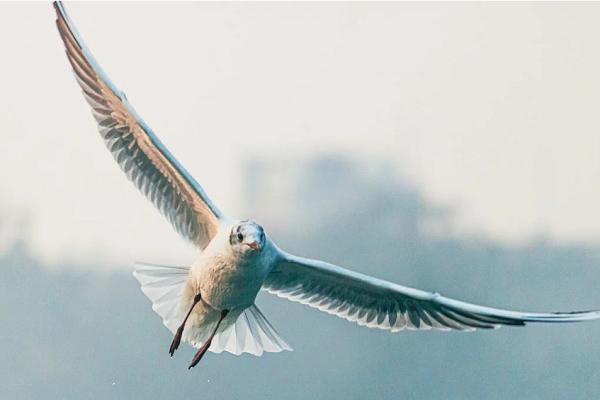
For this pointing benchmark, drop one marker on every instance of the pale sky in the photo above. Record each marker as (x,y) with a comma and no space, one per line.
(489,108)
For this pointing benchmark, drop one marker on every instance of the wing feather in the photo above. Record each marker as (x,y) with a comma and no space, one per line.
(137,150)
(380,304)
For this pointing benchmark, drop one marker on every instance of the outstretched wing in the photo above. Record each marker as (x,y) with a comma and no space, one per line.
(137,150)
(380,304)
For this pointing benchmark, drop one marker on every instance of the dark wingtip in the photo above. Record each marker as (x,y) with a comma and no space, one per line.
(61,12)
(58,7)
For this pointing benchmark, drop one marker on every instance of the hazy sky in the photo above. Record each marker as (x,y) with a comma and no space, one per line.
(490,108)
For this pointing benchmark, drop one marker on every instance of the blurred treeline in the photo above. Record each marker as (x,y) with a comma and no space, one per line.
(91,334)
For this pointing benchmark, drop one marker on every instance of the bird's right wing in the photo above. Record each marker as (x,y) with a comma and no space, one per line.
(380,304)
(137,150)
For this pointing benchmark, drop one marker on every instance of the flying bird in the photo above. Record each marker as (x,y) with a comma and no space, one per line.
(211,304)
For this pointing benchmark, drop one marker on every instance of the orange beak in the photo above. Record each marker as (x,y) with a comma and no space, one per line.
(254,246)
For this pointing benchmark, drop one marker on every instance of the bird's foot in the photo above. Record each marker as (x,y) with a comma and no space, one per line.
(198,356)
(176,340)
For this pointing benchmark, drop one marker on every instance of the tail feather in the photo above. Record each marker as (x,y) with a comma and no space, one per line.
(250,333)
(163,285)
(267,334)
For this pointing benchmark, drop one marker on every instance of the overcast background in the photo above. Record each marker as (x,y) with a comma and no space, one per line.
(463,136)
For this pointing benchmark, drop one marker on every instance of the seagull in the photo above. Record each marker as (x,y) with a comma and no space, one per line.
(211,303)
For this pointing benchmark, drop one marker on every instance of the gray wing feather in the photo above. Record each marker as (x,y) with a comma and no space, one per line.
(380,304)
(137,150)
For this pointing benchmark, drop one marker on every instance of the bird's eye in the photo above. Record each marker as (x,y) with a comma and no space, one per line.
(240,237)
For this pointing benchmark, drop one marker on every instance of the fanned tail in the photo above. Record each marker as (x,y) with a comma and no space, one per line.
(163,285)
(250,333)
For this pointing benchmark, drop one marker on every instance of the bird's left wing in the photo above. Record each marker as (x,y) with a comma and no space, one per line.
(137,150)
(380,304)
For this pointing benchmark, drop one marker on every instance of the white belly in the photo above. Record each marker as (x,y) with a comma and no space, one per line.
(226,286)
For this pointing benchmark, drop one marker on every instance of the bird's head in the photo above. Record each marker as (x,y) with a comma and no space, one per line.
(247,236)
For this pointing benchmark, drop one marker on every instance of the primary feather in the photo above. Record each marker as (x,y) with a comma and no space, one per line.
(137,150)
(380,304)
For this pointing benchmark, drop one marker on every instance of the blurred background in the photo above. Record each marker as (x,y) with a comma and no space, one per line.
(449,147)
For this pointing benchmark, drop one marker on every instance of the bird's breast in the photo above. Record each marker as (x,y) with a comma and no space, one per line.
(226,284)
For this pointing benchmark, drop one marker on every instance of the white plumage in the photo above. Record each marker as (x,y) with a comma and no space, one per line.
(251,332)
(237,259)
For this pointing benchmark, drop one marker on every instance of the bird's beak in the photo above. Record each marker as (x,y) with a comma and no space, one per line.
(254,245)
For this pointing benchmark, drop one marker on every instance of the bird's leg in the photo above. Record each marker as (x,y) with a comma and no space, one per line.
(198,356)
(179,333)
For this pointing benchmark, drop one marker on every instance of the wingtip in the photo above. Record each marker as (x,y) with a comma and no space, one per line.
(62,19)
(59,8)
(61,13)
